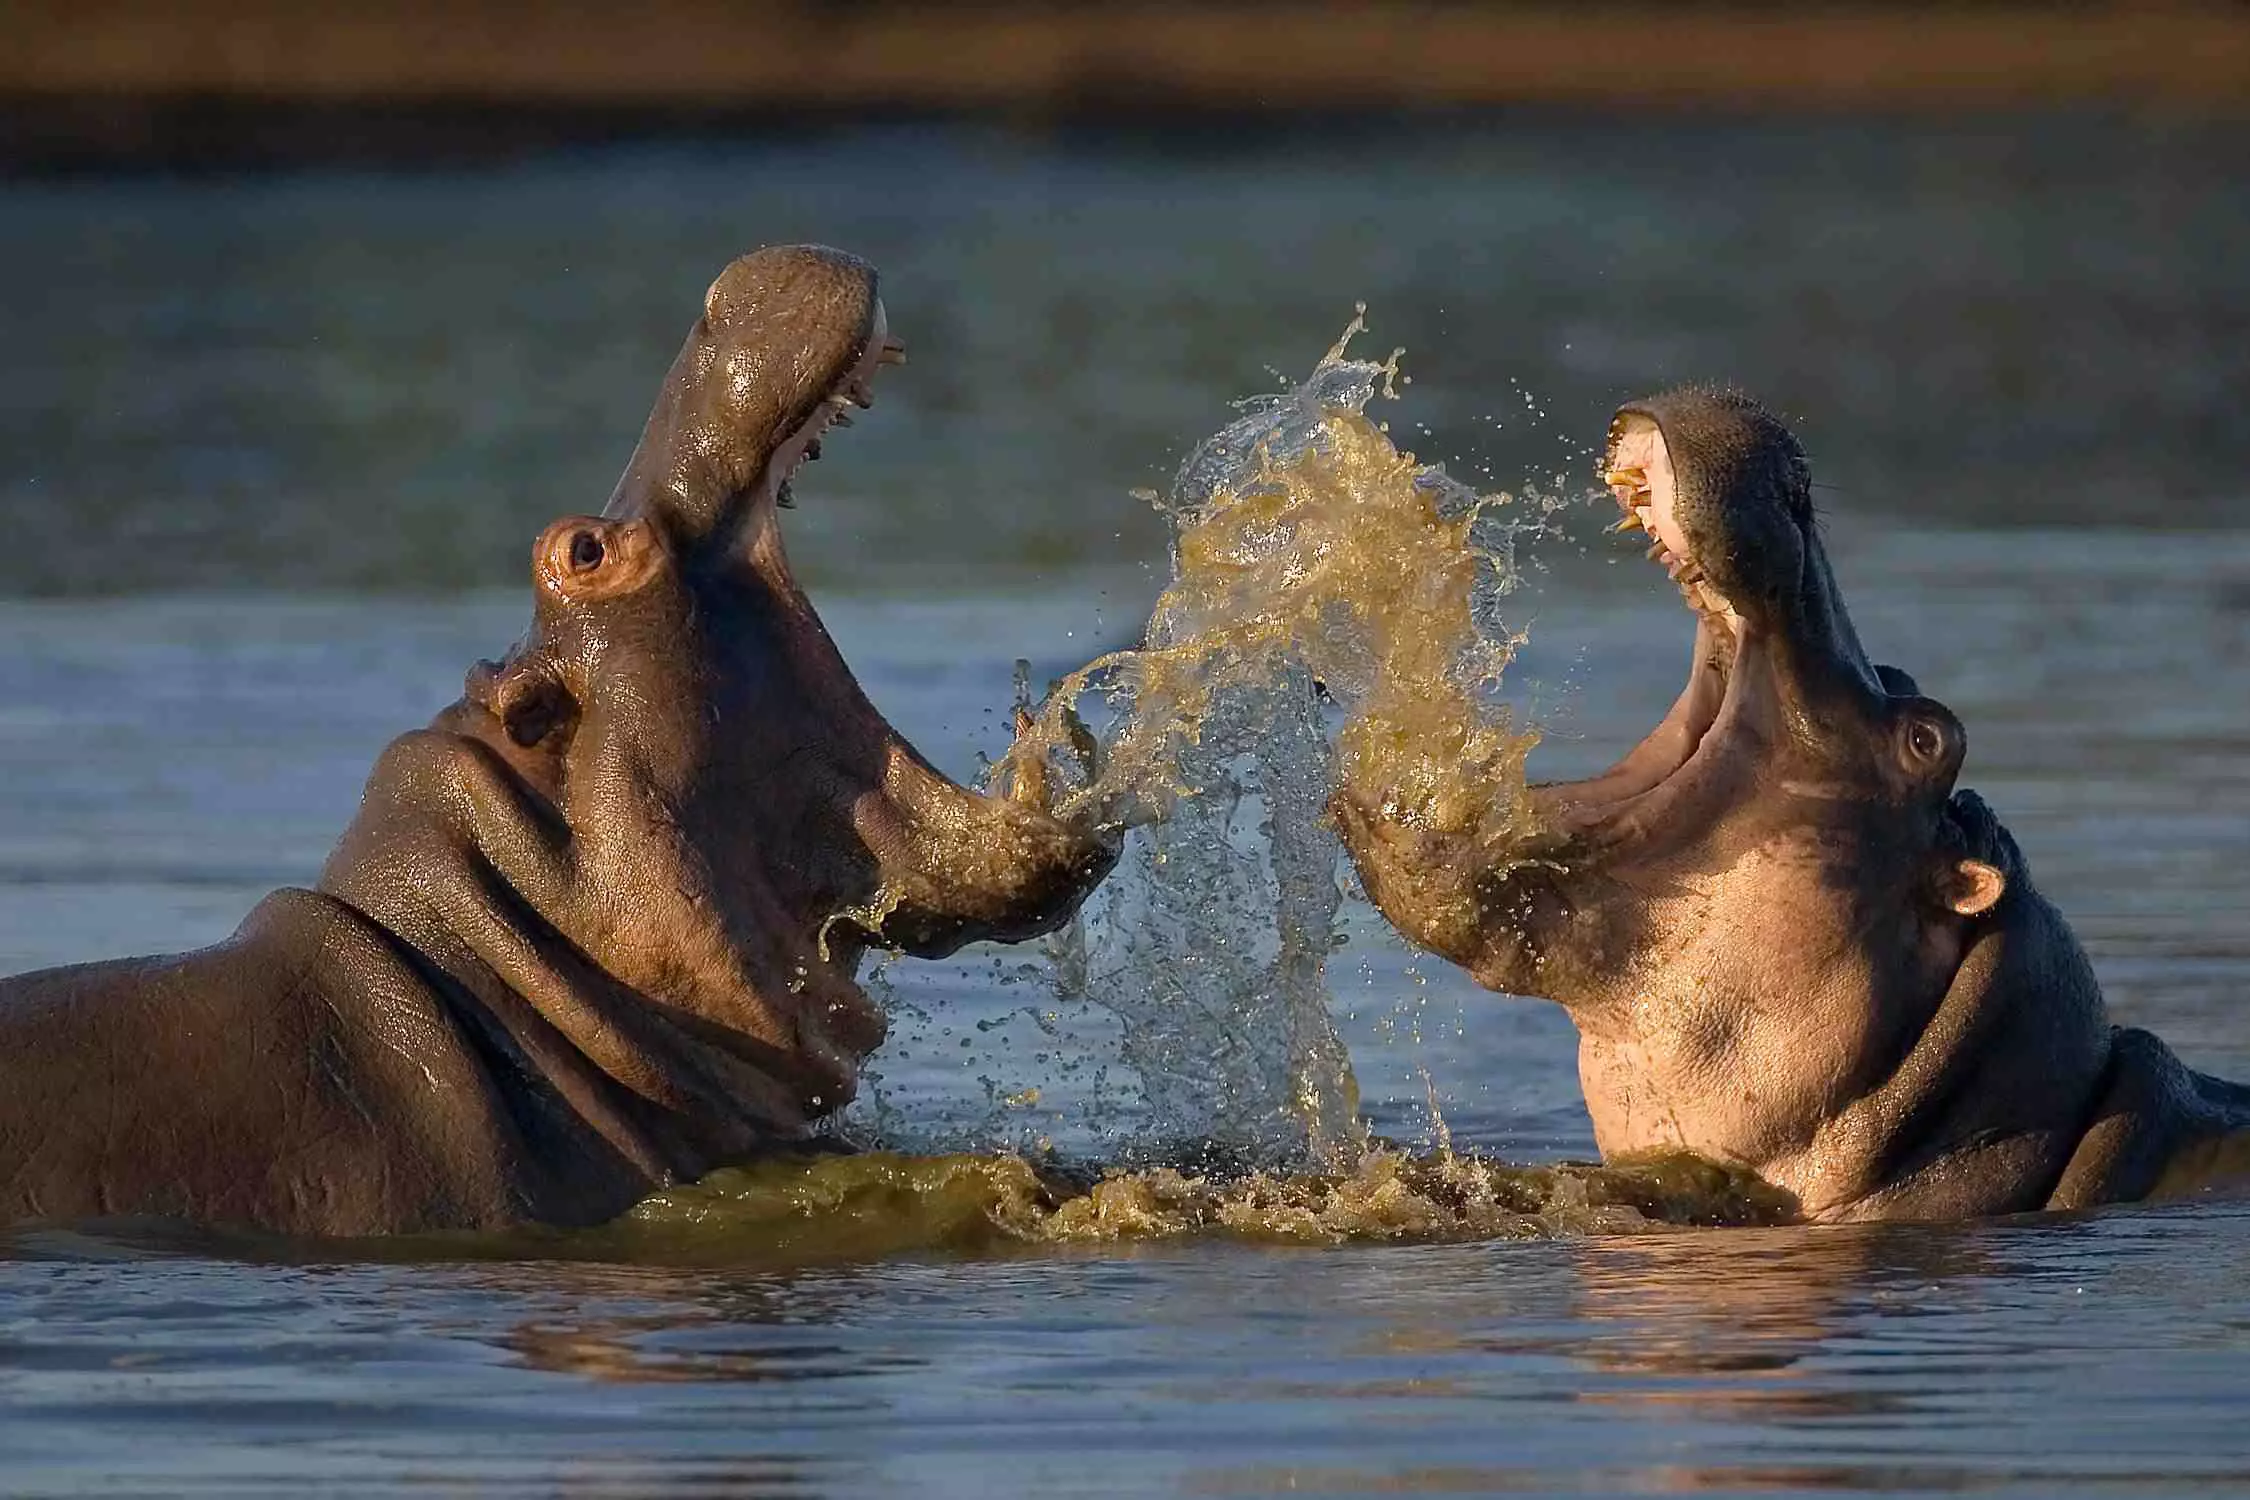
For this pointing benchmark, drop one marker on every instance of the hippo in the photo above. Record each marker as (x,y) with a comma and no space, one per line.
(593,931)
(1788,943)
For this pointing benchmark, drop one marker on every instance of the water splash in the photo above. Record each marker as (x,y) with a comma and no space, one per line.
(1318,573)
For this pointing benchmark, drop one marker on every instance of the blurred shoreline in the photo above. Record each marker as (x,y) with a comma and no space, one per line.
(125,84)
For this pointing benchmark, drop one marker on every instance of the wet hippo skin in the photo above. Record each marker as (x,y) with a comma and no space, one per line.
(1787,941)
(594,930)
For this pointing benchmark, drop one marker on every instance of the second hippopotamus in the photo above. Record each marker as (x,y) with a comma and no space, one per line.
(1788,942)
(594,930)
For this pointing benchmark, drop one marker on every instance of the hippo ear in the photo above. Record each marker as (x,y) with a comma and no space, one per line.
(1973,887)
(528,698)
(1898,682)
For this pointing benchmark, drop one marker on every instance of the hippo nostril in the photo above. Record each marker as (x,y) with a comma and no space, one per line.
(586,552)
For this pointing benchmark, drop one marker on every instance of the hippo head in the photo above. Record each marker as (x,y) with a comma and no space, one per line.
(1785,729)
(1785,733)
(651,843)
(1760,917)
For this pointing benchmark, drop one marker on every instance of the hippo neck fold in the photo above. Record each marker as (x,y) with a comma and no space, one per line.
(632,1006)
(1984,1107)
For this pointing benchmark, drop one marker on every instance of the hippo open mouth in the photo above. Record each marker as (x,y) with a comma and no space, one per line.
(1784,724)
(1701,475)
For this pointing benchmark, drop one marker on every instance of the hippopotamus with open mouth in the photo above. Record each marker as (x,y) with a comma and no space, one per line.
(594,930)
(1787,941)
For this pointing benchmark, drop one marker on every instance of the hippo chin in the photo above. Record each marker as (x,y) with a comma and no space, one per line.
(583,938)
(1787,942)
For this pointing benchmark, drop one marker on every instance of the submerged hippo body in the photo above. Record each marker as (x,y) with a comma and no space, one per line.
(1787,942)
(583,938)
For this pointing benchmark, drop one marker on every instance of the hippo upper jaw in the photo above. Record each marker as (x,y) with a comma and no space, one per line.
(801,444)
(789,338)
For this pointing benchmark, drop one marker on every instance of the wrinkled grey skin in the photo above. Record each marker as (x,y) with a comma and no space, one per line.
(1787,942)
(580,941)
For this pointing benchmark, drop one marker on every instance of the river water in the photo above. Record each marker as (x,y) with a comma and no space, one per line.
(273,451)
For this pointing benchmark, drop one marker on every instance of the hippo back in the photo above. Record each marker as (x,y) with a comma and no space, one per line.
(305,1075)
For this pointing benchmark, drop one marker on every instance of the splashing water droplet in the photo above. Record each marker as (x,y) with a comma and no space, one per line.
(1318,572)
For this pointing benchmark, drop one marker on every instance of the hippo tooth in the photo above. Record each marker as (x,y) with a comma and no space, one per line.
(893,353)
(1655,552)
(1632,522)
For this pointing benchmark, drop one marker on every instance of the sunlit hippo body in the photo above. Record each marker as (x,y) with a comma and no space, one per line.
(582,939)
(1787,942)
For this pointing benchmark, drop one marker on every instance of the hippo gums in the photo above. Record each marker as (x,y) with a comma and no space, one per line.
(1786,940)
(594,930)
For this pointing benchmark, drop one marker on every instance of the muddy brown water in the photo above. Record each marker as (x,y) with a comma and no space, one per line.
(235,400)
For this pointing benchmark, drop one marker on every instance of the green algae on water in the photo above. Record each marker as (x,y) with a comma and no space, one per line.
(815,1210)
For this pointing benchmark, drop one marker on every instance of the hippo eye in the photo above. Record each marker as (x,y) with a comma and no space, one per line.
(585,552)
(1925,740)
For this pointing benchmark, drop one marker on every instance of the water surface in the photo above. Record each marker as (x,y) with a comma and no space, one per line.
(164,762)
(224,406)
